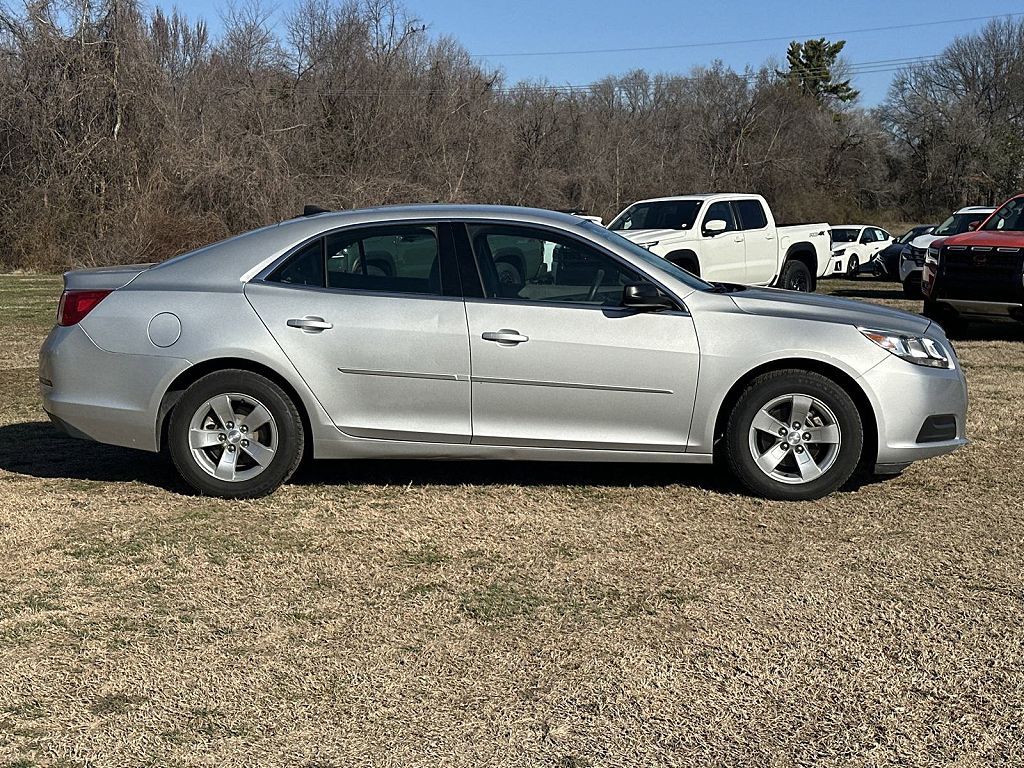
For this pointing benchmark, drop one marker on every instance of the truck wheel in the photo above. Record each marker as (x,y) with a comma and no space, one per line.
(948,318)
(795,277)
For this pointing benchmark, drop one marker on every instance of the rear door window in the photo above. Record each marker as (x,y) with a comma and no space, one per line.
(751,214)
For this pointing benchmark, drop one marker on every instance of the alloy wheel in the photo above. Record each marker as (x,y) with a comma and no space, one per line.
(795,439)
(233,437)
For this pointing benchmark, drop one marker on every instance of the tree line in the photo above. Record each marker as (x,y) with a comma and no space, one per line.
(129,136)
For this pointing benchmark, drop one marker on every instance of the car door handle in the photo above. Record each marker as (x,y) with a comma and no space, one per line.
(505,336)
(769,237)
(310,324)
(738,239)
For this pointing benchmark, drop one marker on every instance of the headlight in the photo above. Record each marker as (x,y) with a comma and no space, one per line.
(839,252)
(649,245)
(918,350)
(932,256)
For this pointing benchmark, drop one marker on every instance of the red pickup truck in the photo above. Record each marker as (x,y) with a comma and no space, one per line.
(978,275)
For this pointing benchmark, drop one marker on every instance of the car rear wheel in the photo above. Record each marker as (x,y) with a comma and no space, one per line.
(235,434)
(794,435)
(795,276)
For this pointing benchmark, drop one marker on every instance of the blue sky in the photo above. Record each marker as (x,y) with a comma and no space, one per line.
(711,26)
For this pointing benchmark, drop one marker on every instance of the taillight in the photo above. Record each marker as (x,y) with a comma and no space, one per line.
(75,305)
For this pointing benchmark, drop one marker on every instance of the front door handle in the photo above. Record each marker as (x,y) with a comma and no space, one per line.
(505,336)
(738,239)
(310,324)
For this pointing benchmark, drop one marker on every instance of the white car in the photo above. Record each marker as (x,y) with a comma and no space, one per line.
(912,257)
(728,238)
(856,244)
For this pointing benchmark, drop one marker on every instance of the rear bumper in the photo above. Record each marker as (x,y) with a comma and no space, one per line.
(103,396)
(909,401)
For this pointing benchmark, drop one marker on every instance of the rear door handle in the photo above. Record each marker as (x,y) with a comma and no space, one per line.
(310,324)
(505,336)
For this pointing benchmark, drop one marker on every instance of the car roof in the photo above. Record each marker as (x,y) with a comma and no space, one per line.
(853,226)
(239,257)
(974,209)
(699,196)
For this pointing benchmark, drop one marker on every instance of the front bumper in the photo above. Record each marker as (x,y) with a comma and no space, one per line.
(908,400)
(108,397)
(908,267)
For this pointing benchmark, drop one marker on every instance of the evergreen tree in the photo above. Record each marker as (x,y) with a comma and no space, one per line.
(811,65)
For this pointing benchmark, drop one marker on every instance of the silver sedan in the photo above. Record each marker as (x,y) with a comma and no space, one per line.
(476,332)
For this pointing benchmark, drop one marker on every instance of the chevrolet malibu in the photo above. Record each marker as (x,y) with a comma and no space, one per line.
(478,332)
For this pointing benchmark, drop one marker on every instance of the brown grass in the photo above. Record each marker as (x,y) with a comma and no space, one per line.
(534,614)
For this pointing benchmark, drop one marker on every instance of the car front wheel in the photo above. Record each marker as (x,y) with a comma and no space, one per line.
(794,435)
(235,434)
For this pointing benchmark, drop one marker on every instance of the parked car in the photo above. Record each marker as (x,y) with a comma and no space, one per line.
(886,264)
(854,245)
(244,356)
(912,258)
(978,275)
(728,238)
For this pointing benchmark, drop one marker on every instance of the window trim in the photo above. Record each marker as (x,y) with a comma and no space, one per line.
(446,247)
(707,213)
(466,242)
(739,215)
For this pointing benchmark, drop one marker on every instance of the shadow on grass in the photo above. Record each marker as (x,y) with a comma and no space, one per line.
(38,449)
(869,292)
(524,473)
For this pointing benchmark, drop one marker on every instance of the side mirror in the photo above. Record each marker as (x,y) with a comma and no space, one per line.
(714,227)
(645,297)
(974,224)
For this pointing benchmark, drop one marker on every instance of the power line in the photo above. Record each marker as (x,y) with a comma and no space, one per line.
(639,49)
(859,68)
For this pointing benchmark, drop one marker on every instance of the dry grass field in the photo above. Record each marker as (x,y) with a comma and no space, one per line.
(403,614)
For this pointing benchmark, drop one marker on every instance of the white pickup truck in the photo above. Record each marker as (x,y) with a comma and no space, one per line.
(729,238)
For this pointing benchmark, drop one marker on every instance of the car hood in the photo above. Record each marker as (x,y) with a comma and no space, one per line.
(924,241)
(988,239)
(772,302)
(651,235)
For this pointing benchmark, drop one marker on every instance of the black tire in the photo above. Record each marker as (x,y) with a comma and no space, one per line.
(778,385)
(853,267)
(948,319)
(796,276)
(286,423)
(912,286)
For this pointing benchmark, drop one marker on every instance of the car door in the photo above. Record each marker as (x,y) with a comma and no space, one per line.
(373,320)
(557,361)
(722,255)
(882,240)
(761,247)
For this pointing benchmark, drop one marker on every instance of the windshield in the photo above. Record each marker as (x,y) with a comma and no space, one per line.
(957,223)
(648,258)
(666,214)
(845,235)
(1009,218)
(909,235)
